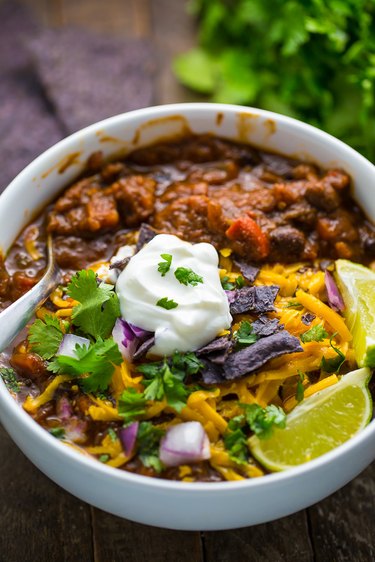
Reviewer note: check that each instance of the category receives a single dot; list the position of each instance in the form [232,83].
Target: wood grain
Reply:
[39,521]
[117,540]
[284,540]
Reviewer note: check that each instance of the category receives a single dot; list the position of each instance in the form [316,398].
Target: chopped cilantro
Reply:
[262,420]
[57,432]
[334,364]
[226,284]
[104,458]
[112,434]
[185,364]
[132,404]
[300,391]
[244,335]
[294,304]
[167,303]
[235,440]
[148,442]
[187,276]
[97,361]
[316,333]
[45,336]
[240,282]
[98,305]
[164,381]
[164,266]
[229,286]
[9,377]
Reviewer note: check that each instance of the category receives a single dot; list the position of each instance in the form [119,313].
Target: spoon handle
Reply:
[16,316]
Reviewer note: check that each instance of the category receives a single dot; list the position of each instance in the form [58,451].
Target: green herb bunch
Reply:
[314,60]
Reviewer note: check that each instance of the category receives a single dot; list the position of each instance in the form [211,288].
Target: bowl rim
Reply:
[10,403]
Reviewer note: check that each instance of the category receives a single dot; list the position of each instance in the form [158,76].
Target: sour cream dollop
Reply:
[203,309]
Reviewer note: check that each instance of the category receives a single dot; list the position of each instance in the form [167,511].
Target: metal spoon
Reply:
[16,316]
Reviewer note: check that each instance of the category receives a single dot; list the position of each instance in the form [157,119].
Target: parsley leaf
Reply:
[99,305]
[45,336]
[96,360]
[316,333]
[300,391]
[9,377]
[187,276]
[148,442]
[131,405]
[164,266]
[167,303]
[334,364]
[244,336]
[262,420]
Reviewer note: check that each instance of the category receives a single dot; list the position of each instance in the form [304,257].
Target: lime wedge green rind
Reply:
[357,286]
[318,424]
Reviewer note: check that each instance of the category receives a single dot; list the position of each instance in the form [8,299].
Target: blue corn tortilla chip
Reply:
[307,318]
[256,355]
[249,271]
[253,299]
[212,373]
[146,233]
[217,350]
[144,348]
[265,326]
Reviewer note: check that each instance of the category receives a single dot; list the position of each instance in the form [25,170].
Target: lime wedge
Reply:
[357,286]
[318,424]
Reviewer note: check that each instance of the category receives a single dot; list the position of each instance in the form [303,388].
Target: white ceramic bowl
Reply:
[188,506]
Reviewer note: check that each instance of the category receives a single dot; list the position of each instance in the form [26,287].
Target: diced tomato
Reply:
[245,229]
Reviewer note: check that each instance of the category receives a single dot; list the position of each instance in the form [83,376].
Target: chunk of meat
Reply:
[135,197]
[323,196]
[28,365]
[287,243]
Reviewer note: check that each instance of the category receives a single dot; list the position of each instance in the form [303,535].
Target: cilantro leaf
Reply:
[9,377]
[262,420]
[132,404]
[58,432]
[185,364]
[97,361]
[98,306]
[236,444]
[334,364]
[244,336]
[226,284]
[316,333]
[162,381]
[187,276]
[300,391]
[166,303]
[294,304]
[164,266]
[148,442]
[45,336]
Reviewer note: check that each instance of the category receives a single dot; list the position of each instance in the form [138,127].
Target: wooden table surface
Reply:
[41,522]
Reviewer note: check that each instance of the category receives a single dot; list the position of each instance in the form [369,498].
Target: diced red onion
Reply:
[128,436]
[128,337]
[64,409]
[184,443]
[334,296]
[68,345]
[75,430]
